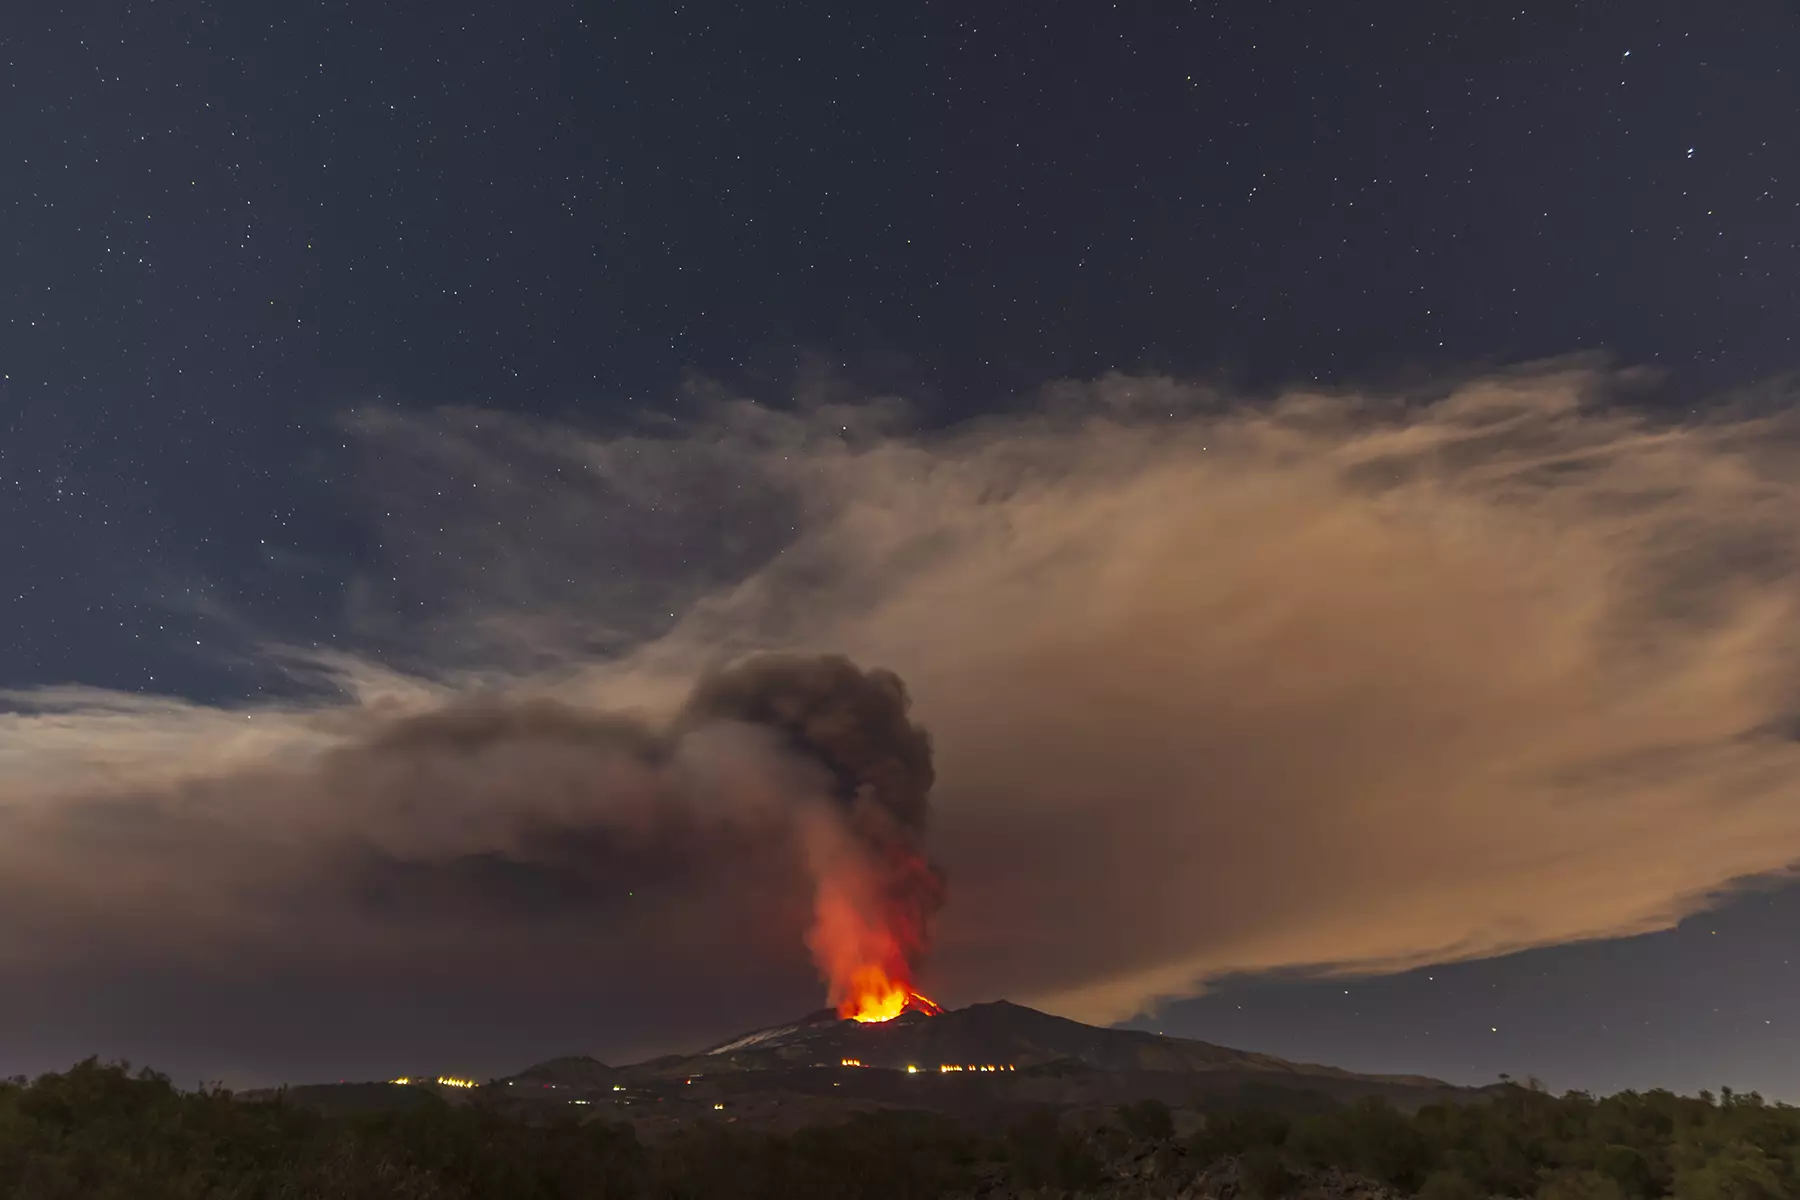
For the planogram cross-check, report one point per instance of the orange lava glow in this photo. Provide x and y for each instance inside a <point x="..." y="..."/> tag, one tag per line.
<point x="870" y="910"/>
<point x="872" y="996"/>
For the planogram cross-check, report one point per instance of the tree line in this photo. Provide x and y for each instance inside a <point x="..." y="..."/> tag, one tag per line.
<point x="102" y="1132"/>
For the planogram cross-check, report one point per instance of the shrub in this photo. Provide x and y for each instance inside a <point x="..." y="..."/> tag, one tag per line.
<point x="1227" y="1134"/>
<point x="1148" y="1119"/>
<point x="1627" y="1167"/>
<point x="1581" y="1185"/>
<point x="1044" y="1154"/>
<point x="1264" y="1175"/>
<point x="1449" y="1185"/>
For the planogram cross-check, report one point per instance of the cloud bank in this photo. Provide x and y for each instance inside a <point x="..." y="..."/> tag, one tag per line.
<point x="1343" y="681"/>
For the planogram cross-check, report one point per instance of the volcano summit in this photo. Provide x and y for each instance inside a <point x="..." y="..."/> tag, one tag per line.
<point x="986" y="1061"/>
<point x="1000" y="1034"/>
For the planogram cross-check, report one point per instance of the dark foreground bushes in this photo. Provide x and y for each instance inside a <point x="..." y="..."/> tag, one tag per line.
<point x="1527" y="1143"/>
<point x="98" y="1132"/>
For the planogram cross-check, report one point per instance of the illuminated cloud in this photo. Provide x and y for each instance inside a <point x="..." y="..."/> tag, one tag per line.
<point x="1334" y="681"/>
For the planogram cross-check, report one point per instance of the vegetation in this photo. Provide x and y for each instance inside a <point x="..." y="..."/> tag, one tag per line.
<point x="1527" y="1143"/>
<point x="99" y="1132"/>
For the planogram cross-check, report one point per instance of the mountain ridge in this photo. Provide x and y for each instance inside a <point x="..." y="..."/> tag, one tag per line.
<point x="995" y="1033"/>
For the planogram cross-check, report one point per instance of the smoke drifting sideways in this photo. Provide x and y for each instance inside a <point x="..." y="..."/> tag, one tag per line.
<point x="1333" y="680"/>
<point x="779" y="757"/>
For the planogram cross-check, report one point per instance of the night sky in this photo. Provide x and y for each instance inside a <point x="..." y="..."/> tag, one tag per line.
<point x="270" y="287"/>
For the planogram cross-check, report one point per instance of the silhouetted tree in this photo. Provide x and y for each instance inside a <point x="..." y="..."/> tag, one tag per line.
<point x="104" y="1132"/>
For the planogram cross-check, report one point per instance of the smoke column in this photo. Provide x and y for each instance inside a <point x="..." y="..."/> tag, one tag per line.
<point x="875" y="892"/>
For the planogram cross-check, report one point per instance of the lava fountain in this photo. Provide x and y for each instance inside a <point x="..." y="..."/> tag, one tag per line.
<point x="873" y="901"/>
<point x="872" y="996"/>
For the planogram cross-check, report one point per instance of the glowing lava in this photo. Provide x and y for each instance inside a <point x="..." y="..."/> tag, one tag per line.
<point x="873" y="996"/>
<point x="873" y="900"/>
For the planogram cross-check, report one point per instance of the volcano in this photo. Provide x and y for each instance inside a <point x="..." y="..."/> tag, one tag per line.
<point x="1000" y="1035"/>
<point x="986" y="1061"/>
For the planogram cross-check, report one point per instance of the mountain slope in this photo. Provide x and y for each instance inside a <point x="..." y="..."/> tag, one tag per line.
<point x="987" y="1063"/>
<point x="575" y="1070"/>
<point x="996" y="1034"/>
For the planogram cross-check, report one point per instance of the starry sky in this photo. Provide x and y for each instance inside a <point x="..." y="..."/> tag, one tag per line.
<point x="272" y="287"/>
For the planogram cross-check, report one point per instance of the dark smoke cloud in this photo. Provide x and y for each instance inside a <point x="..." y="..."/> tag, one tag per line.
<point x="878" y="893"/>
<point x="856" y="724"/>
<point x="497" y="828"/>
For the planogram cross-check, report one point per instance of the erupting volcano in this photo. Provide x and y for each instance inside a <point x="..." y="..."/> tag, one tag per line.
<point x="875" y="997"/>
<point x="875" y="892"/>
<point x="874" y="898"/>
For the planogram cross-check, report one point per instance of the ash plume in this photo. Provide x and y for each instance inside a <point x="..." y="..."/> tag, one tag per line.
<point x="877" y="894"/>
<point x="498" y="806"/>
<point x="1340" y="681"/>
<point x="856" y="724"/>
<point x="833" y="757"/>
